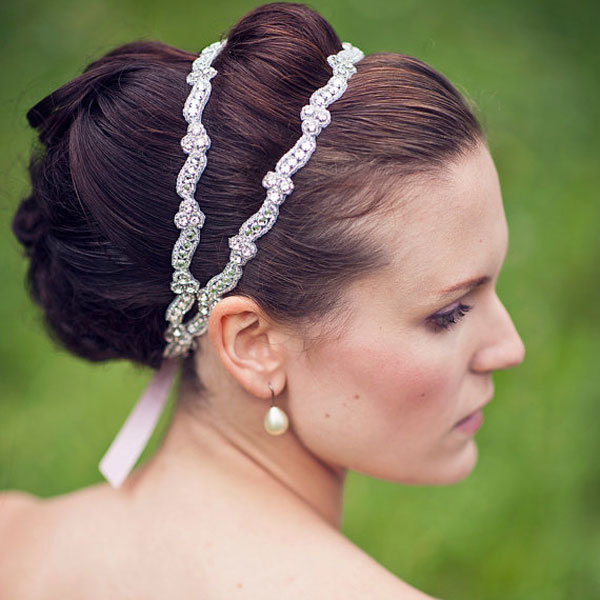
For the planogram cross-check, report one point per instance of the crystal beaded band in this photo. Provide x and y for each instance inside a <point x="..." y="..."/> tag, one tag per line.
<point x="279" y="185"/>
<point x="190" y="219"/>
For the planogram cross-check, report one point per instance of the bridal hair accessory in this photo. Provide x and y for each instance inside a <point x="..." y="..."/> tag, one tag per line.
<point x="278" y="183"/>
<point x="190" y="219"/>
<point x="130" y="441"/>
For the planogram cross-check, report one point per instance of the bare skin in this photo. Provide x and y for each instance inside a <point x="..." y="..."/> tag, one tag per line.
<point x="223" y="510"/>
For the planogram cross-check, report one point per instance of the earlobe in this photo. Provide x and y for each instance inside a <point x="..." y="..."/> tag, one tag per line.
<point x="243" y="338"/>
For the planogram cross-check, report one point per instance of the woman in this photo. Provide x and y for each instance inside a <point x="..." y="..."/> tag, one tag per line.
<point x="367" y="315"/>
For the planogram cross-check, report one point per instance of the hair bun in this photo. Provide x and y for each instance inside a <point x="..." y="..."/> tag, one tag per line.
<point x="29" y="223"/>
<point x="282" y="32"/>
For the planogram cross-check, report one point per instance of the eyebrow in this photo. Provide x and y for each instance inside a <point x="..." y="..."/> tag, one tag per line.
<point x="465" y="285"/>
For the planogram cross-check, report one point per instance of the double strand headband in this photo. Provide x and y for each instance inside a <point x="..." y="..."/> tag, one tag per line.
<point x="315" y="116"/>
<point x="180" y="336"/>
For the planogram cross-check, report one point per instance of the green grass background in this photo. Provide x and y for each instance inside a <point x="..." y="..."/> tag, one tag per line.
<point x="525" y="524"/>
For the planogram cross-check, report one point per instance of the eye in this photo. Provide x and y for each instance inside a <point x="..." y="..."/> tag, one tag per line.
<point x="445" y="320"/>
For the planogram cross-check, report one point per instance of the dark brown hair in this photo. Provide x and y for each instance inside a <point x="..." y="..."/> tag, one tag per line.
<point x="98" y="225"/>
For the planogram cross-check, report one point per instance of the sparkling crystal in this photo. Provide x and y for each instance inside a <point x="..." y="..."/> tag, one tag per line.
<point x="286" y="185"/>
<point x="196" y="163"/>
<point x="196" y="128"/>
<point x="307" y="111"/>
<point x="187" y="206"/>
<point x="191" y="110"/>
<point x="201" y="88"/>
<point x="274" y="195"/>
<point x="191" y="78"/>
<point x="337" y="82"/>
<point x="270" y="208"/>
<point x="187" y="143"/>
<point x="284" y="167"/>
<point x="324" y="117"/>
<point x="307" y="143"/>
<point x="270" y="179"/>
<point x="208" y="72"/>
<point x="181" y="220"/>
<point x="202" y="141"/>
<point x="310" y="126"/>
<point x="246" y="251"/>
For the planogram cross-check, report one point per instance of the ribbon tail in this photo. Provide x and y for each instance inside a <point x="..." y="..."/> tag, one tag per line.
<point x="133" y="436"/>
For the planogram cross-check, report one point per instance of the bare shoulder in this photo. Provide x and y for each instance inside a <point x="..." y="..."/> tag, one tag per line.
<point x="346" y="571"/>
<point x="45" y="543"/>
<point x="19" y="519"/>
<point x="15" y="505"/>
<point x="370" y="578"/>
<point x="85" y="543"/>
<point x="298" y="556"/>
<point x="12" y="502"/>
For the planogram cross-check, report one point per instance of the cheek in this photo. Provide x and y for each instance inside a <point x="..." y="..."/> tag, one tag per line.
<point x="372" y="392"/>
<point x="406" y="387"/>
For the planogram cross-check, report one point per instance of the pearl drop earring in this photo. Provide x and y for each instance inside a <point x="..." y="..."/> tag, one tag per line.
<point x="276" y="421"/>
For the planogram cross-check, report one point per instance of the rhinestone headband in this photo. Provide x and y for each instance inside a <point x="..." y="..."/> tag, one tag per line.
<point x="189" y="218"/>
<point x="315" y="116"/>
<point x="129" y="443"/>
<point x="125" y="449"/>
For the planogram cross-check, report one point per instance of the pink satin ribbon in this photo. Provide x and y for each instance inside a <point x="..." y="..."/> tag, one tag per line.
<point x="133" y="436"/>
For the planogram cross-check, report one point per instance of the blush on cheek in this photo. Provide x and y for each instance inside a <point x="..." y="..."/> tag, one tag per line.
<point x="389" y="381"/>
<point x="407" y="386"/>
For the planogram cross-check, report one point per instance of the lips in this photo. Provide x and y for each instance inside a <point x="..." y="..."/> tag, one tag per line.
<point x="474" y="411"/>
<point x="467" y="417"/>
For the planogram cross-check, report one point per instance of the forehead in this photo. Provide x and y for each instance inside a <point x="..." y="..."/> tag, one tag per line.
<point x="447" y="228"/>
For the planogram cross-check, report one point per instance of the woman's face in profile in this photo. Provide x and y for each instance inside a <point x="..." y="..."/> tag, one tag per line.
<point x="384" y="397"/>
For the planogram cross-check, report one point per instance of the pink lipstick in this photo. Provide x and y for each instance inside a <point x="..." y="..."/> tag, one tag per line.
<point x="471" y="423"/>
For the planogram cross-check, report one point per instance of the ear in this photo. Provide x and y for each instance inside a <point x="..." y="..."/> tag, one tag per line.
<point x="249" y="345"/>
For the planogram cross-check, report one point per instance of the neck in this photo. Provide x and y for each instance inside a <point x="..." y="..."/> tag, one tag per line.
<point x="201" y="439"/>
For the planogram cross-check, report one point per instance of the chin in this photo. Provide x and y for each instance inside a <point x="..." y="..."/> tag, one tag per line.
<point x="441" y="469"/>
<point x="458" y="468"/>
<point x="445" y="471"/>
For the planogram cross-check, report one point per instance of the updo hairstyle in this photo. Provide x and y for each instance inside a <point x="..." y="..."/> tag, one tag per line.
<point x="97" y="227"/>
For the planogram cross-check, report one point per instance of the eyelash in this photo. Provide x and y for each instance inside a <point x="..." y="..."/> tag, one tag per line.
<point x="443" y="321"/>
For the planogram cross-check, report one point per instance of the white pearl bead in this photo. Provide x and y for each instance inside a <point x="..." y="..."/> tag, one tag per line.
<point x="276" y="421"/>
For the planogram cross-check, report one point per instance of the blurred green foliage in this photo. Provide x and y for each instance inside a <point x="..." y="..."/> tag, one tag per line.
<point x="526" y="523"/>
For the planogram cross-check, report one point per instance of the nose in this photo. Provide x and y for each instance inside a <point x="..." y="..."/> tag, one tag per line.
<point x="502" y="347"/>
